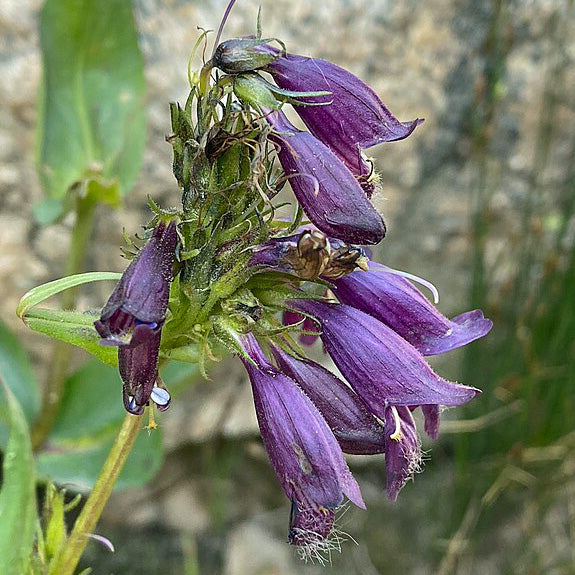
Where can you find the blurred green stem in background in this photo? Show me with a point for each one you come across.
(62, 352)
(66, 561)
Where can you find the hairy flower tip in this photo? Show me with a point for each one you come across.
(396, 302)
(382, 368)
(307, 324)
(402, 449)
(326, 189)
(352, 115)
(304, 453)
(355, 428)
(313, 532)
(134, 315)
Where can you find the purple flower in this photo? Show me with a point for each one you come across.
(304, 453)
(326, 189)
(380, 365)
(402, 449)
(134, 315)
(396, 302)
(291, 317)
(354, 427)
(352, 116)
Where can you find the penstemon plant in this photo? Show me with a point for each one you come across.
(231, 271)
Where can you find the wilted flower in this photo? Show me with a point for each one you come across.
(134, 315)
(326, 189)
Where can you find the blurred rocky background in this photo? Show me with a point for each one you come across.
(478, 200)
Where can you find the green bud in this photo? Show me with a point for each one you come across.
(243, 55)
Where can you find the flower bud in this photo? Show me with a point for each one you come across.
(239, 55)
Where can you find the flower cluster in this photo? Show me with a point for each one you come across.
(248, 281)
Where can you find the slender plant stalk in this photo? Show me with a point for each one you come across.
(62, 352)
(66, 561)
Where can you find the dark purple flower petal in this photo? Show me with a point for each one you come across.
(402, 449)
(138, 364)
(305, 455)
(355, 428)
(380, 365)
(328, 192)
(395, 301)
(141, 295)
(353, 116)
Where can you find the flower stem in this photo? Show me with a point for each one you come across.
(67, 559)
(61, 352)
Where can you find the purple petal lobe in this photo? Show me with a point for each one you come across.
(328, 192)
(395, 301)
(305, 455)
(138, 364)
(431, 414)
(381, 366)
(355, 428)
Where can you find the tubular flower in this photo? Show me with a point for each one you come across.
(380, 365)
(133, 317)
(326, 189)
(350, 118)
(395, 301)
(355, 428)
(304, 453)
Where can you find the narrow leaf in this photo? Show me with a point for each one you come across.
(40, 293)
(92, 121)
(18, 495)
(76, 328)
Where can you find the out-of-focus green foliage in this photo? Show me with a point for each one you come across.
(17, 373)
(92, 121)
(18, 494)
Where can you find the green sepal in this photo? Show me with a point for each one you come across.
(254, 90)
(76, 328)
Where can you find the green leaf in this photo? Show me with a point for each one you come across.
(92, 121)
(90, 416)
(18, 495)
(92, 406)
(72, 327)
(40, 293)
(18, 375)
(80, 465)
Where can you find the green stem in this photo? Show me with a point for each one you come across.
(66, 561)
(62, 352)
